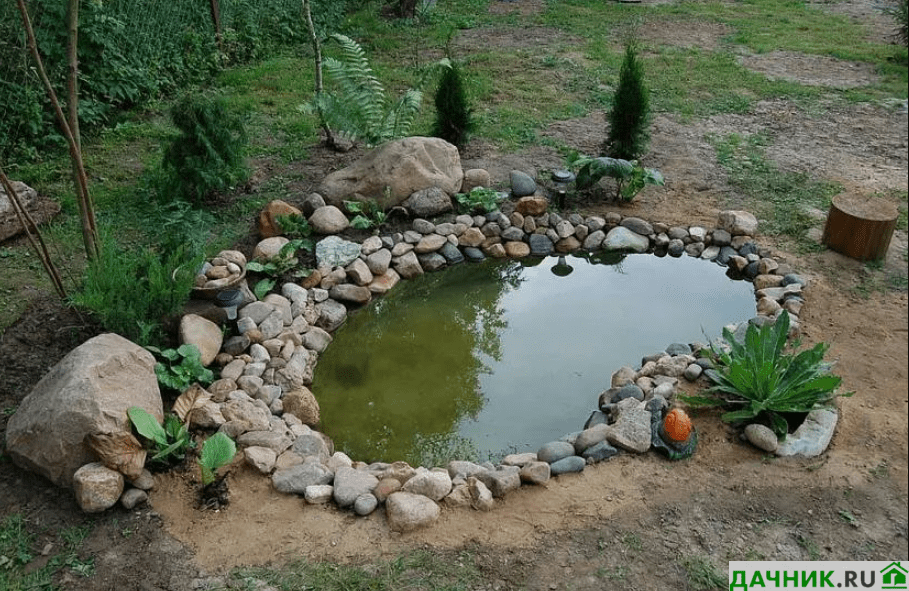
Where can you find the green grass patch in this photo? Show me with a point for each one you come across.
(21, 569)
(702, 575)
(416, 571)
(783, 200)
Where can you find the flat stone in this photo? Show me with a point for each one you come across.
(540, 245)
(555, 451)
(762, 437)
(408, 511)
(638, 226)
(812, 437)
(568, 465)
(350, 484)
(621, 238)
(334, 251)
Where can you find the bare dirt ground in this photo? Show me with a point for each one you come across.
(636, 522)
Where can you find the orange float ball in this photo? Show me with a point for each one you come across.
(677, 425)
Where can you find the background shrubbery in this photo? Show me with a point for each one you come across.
(131, 51)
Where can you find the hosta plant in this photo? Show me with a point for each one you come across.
(629, 175)
(182, 367)
(761, 381)
(168, 442)
(217, 451)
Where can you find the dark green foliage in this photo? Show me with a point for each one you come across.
(131, 292)
(629, 117)
(758, 378)
(207, 157)
(899, 10)
(131, 51)
(454, 120)
(182, 367)
(630, 177)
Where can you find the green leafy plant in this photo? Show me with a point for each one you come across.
(132, 291)
(367, 214)
(454, 117)
(169, 442)
(284, 261)
(263, 286)
(628, 119)
(763, 382)
(217, 451)
(294, 226)
(629, 175)
(182, 369)
(207, 156)
(479, 199)
(360, 108)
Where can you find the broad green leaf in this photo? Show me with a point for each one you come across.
(147, 425)
(217, 451)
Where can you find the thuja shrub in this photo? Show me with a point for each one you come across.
(629, 117)
(454, 117)
(208, 155)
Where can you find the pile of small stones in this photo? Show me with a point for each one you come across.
(263, 400)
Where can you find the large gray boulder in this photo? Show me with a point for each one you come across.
(402, 166)
(88, 391)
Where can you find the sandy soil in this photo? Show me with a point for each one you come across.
(631, 523)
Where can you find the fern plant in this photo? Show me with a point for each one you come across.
(360, 108)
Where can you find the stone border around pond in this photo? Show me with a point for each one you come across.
(263, 400)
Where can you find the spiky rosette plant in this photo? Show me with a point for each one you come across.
(760, 381)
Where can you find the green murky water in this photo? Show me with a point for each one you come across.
(504, 356)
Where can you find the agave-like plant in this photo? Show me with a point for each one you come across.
(764, 381)
(360, 108)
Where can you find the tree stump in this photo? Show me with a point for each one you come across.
(860, 227)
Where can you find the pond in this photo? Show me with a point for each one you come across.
(506, 355)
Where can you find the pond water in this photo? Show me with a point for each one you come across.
(504, 356)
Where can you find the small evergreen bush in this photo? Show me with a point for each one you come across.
(629, 117)
(207, 156)
(454, 117)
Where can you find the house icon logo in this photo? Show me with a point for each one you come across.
(893, 576)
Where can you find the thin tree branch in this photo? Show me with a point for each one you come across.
(33, 234)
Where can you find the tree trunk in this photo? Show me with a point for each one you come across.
(86, 208)
(860, 227)
(33, 234)
(216, 21)
(317, 52)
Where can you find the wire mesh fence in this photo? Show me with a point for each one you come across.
(130, 51)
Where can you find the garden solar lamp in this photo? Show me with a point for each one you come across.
(561, 178)
(229, 299)
(562, 268)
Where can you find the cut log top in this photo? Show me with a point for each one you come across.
(865, 208)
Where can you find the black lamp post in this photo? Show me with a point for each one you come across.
(229, 299)
(561, 179)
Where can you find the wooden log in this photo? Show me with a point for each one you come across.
(860, 227)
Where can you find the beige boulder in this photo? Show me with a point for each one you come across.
(390, 173)
(267, 224)
(86, 392)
